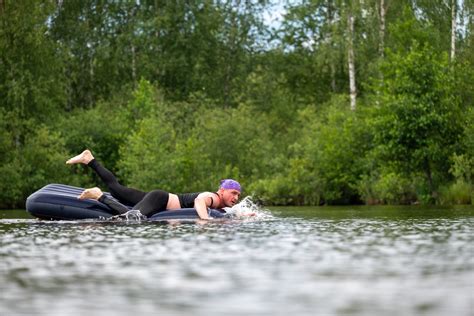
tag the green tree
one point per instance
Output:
(37, 162)
(420, 122)
(31, 76)
(324, 160)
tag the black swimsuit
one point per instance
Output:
(148, 203)
(186, 200)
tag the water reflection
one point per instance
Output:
(290, 263)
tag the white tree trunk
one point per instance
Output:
(382, 12)
(352, 78)
(382, 29)
(134, 66)
(469, 28)
(332, 66)
(453, 28)
(133, 48)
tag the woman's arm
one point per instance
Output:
(202, 202)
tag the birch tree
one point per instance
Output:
(382, 12)
(453, 28)
(350, 57)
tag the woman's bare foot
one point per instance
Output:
(85, 157)
(92, 193)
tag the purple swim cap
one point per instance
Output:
(230, 184)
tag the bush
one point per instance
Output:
(462, 190)
(219, 144)
(101, 129)
(420, 121)
(392, 188)
(332, 146)
(459, 192)
(387, 188)
(146, 156)
(43, 157)
(323, 162)
(273, 191)
(37, 162)
(11, 189)
(366, 189)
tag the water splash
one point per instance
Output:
(247, 208)
(130, 216)
(134, 215)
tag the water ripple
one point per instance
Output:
(271, 266)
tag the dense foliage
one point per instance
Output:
(179, 94)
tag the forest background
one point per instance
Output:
(336, 102)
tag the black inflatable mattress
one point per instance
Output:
(60, 202)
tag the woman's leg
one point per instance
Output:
(153, 202)
(96, 194)
(122, 193)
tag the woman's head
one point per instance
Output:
(229, 191)
(230, 184)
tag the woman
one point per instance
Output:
(155, 201)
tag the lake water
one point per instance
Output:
(291, 261)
